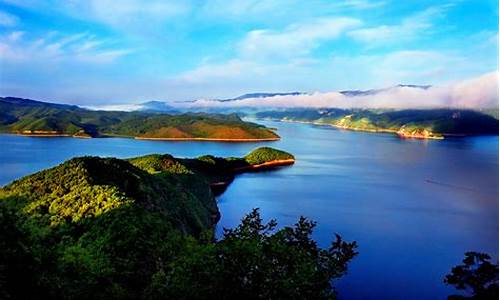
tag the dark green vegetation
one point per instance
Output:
(409, 122)
(142, 228)
(41, 118)
(266, 154)
(477, 276)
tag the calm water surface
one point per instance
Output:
(413, 206)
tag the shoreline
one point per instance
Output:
(146, 138)
(207, 139)
(420, 137)
(269, 164)
(44, 134)
(389, 131)
(53, 135)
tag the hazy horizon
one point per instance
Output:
(477, 93)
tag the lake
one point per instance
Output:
(413, 206)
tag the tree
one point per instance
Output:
(256, 261)
(477, 275)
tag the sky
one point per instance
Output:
(105, 52)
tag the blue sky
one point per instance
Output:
(98, 52)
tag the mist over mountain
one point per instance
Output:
(260, 95)
(475, 93)
(353, 93)
(158, 106)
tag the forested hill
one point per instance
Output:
(29, 117)
(419, 123)
(107, 228)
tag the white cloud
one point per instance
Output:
(7, 19)
(15, 35)
(409, 28)
(53, 47)
(268, 8)
(411, 67)
(295, 39)
(114, 107)
(480, 92)
(129, 15)
(359, 4)
(241, 7)
(236, 76)
(212, 72)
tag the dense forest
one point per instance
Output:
(142, 228)
(31, 117)
(436, 122)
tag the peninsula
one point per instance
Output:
(407, 123)
(35, 118)
(108, 228)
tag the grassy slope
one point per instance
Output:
(20, 115)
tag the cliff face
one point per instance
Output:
(418, 133)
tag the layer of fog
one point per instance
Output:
(480, 92)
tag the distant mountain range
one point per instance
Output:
(176, 107)
(22, 102)
(354, 93)
(260, 95)
(171, 108)
(158, 106)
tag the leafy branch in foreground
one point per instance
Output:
(256, 261)
(477, 275)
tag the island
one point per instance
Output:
(143, 228)
(43, 119)
(405, 123)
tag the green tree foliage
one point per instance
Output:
(256, 261)
(439, 121)
(266, 154)
(157, 163)
(104, 228)
(477, 276)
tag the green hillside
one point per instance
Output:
(107, 228)
(266, 154)
(30, 117)
(434, 123)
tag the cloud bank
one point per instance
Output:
(480, 92)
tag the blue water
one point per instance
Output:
(413, 206)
